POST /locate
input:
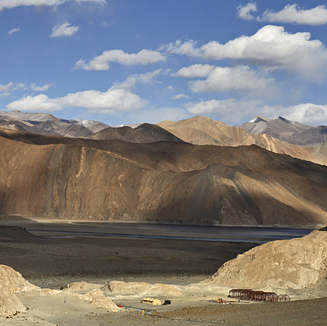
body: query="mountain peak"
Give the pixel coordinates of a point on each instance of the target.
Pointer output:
(259, 118)
(284, 119)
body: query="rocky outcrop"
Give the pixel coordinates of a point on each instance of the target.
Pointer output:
(12, 282)
(143, 288)
(98, 299)
(295, 263)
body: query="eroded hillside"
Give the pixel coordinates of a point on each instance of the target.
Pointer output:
(165, 182)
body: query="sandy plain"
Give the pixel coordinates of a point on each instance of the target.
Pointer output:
(49, 258)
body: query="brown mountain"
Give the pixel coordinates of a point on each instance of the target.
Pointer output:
(165, 182)
(144, 133)
(47, 124)
(205, 131)
(290, 131)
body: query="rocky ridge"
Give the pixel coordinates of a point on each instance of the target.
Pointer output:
(166, 182)
(281, 264)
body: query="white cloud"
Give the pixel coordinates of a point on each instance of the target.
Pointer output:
(244, 12)
(9, 4)
(15, 30)
(5, 89)
(102, 62)
(180, 96)
(64, 29)
(228, 78)
(115, 99)
(156, 115)
(229, 110)
(234, 111)
(118, 98)
(270, 46)
(197, 70)
(146, 78)
(294, 14)
(40, 88)
(304, 113)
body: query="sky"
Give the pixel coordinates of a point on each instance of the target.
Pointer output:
(133, 61)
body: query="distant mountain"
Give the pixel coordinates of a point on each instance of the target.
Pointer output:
(205, 131)
(289, 131)
(144, 133)
(45, 123)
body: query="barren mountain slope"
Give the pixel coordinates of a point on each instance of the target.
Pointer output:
(290, 131)
(145, 133)
(47, 124)
(295, 263)
(205, 131)
(168, 182)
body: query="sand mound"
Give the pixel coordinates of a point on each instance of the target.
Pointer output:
(80, 287)
(98, 299)
(142, 288)
(9, 303)
(14, 281)
(282, 264)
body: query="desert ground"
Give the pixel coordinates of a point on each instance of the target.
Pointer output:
(78, 271)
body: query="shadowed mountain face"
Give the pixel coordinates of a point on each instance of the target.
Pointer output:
(164, 182)
(144, 133)
(289, 131)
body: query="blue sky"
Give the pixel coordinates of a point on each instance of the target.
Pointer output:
(128, 61)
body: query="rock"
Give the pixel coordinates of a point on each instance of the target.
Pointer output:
(80, 287)
(142, 288)
(98, 299)
(295, 263)
(14, 281)
(9, 303)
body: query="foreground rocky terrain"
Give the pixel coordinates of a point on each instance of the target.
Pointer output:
(296, 264)
(50, 176)
(117, 302)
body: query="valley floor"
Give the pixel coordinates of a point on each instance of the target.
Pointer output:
(48, 257)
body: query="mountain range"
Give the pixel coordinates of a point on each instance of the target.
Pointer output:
(289, 131)
(154, 173)
(45, 123)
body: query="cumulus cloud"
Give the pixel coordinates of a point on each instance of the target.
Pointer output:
(15, 30)
(234, 111)
(9, 4)
(244, 12)
(156, 115)
(230, 110)
(118, 98)
(228, 78)
(304, 113)
(40, 88)
(64, 29)
(197, 70)
(102, 62)
(270, 46)
(115, 99)
(5, 89)
(146, 78)
(180, 96)
(294, 14)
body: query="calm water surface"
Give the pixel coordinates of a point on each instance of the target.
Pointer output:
(181, 232)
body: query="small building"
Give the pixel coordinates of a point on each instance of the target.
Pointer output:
(155, 302)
